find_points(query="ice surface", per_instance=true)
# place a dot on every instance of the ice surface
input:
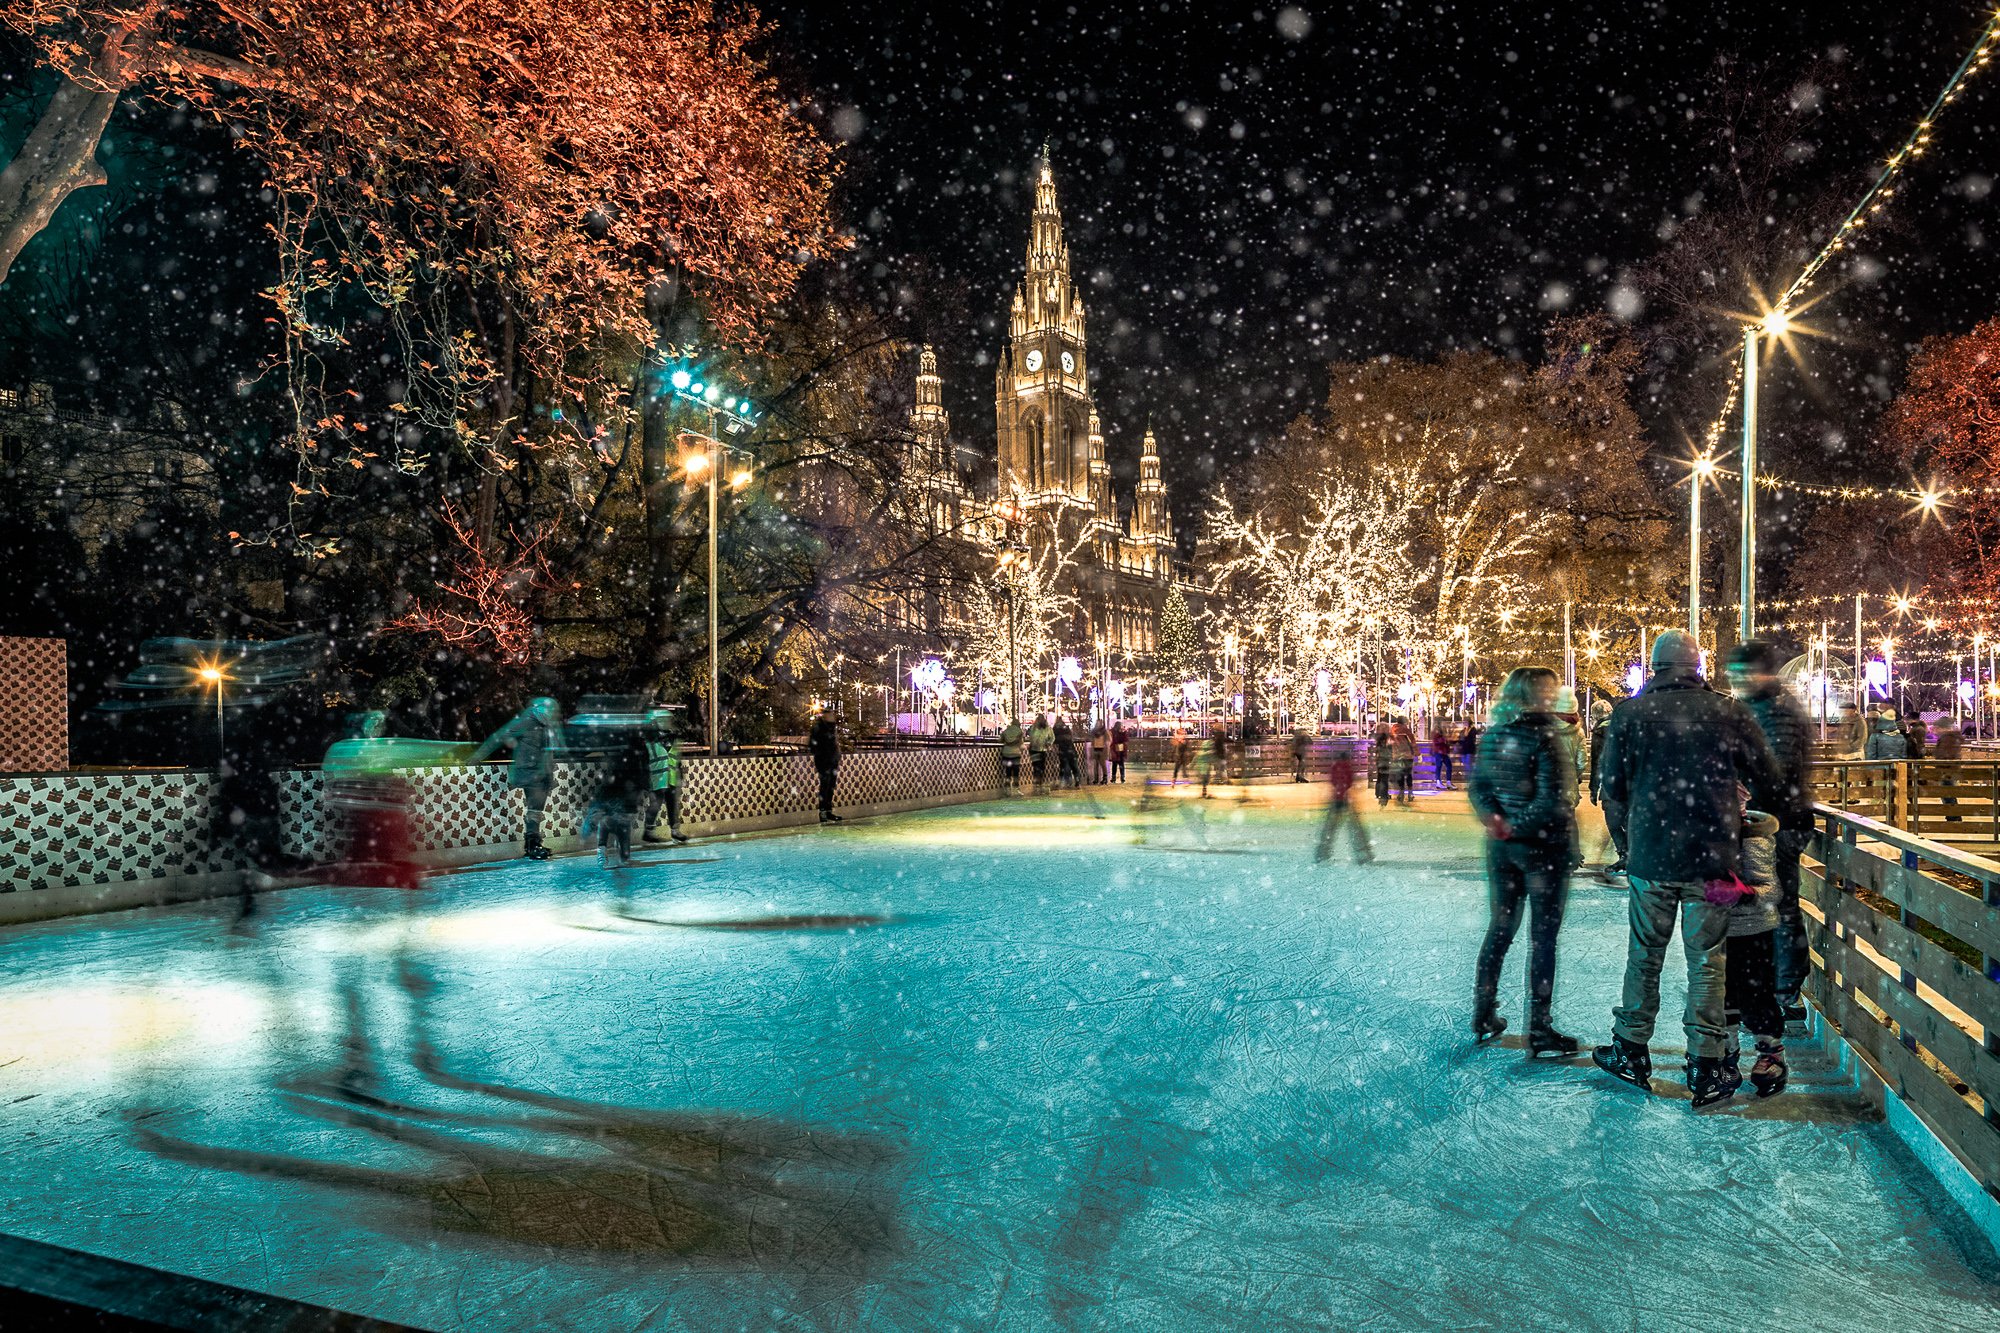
(995, 1067)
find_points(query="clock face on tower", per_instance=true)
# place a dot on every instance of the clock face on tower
(1069, 364)
(1034, 361)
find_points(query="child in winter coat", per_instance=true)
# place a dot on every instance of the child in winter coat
(1750, 975)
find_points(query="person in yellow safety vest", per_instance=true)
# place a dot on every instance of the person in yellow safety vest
(663, 767)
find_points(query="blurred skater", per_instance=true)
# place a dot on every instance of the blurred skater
(620, 795)
(1068, 774)
(1120, 739)
(1523, 790)
(1753, 678)
(532, 734)
(1750, 995)
(1403, 754)
(1340, 811)
(1183, 752)
(1600, 728)
(368, 804)
(1443, 746)
(1041, 749)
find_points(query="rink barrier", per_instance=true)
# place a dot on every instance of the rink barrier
(1905, 939)
(91, 842)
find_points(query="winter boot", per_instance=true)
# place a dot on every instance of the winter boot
(534, 850)
(1487, 1025)
(1543, 1039)
(1626, 1060)
(1770, 1074)
(680, 836)
(1709, 1082)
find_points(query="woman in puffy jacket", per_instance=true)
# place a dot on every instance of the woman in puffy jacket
(1524, 791)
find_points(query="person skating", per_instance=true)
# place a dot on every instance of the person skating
(1382, 760)
(1750, 973)
(1672, 763)
(620, 795)
(533, 736)
(1011, 740)
(1041, 747)
(824, 743)
(1443, 745)
(1183, 753)
(1213, 765)
(1067, 773)
(1301, 747)
(1950, 749)
(1403, 751)
(1097, 753)
(1886, 739)
(663, 768)
(1524, 791)
(1120, 739)
(1600, 729)
(1753, 678)
(1340, 811)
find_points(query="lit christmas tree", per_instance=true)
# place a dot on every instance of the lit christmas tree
(1180, 651)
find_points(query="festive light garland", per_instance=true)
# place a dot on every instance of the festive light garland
(1870, 204)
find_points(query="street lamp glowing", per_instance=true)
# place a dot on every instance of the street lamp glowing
(1776, 324)
(1704, 466)
(210, 674)
(681, 379)
(1928, 501)
(740, 479)
(695, 464)
(711, 393)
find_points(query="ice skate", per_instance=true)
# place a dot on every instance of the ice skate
(1545, 1040)
(1487, 1027)
(1770, 1074)
(1710, 1081)
(680, 836)
(1626, 1061)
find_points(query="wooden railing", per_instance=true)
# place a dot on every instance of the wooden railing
(1905, 935)
(1951, 800)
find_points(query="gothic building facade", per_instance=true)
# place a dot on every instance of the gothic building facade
(1052, 482)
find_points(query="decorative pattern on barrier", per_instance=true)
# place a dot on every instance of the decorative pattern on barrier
(84, 829)
(34, 727)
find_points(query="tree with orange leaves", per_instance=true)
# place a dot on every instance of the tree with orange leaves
(1947, 421)
(510, 181)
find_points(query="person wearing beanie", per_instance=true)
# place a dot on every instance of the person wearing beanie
(1569, 720)
(1673, 760)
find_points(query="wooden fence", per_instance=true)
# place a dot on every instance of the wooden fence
(1955, 801)
(1905, 933)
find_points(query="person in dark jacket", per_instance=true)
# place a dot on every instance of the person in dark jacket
(1916, 735)
(1067, 772)
(1672, 765)
(1340, 811)
(533, 736)
(1886, 739)
(1524, 790)
(1753, 678)
(824, 743)
(1600, 731)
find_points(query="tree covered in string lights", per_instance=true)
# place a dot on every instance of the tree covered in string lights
(1179, 643)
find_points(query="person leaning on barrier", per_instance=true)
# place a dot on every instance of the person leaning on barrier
(1011, 737)
(824, 743)
(1886, 739)
(1753, 678)
(1672, 764)
(532, 735)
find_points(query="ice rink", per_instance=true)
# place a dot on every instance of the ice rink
(1002, 1066)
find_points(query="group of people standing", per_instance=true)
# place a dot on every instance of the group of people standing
(1062, 754)
(1708, 797)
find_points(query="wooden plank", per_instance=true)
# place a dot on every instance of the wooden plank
(1962, 1129)
(1936, 967)
(1944, 1039)
(1964, 863)
(1951, 910)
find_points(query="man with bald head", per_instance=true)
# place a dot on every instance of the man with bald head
(1673, 761)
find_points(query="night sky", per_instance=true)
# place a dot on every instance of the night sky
(1251, 193)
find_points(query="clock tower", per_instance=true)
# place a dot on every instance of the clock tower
(1041, 391)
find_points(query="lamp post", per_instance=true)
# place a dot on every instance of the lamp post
(738, 416)
(1703, 469)
(211, 673)
(1775, 324)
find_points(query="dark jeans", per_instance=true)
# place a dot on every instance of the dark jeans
(537, 794)
(827, 777)
(670, 801)
(1010, 770)
(1406, 774)
(1444, 768)
(1118, 767)
(1382, 781)
(1749, 997)
(1790, 962)
(1342, 814)
(1538, 877)
(1070, 772)
(1041, 758)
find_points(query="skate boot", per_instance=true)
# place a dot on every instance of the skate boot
(603, 858)
(680, 836)
(1486, 1026)
(1770, 1074)
(534, 850)
(650, 836)
(1543, 1039)
(1626, 1060)
(1709, 1082)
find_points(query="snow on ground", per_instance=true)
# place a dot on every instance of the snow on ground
(992, 1067)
